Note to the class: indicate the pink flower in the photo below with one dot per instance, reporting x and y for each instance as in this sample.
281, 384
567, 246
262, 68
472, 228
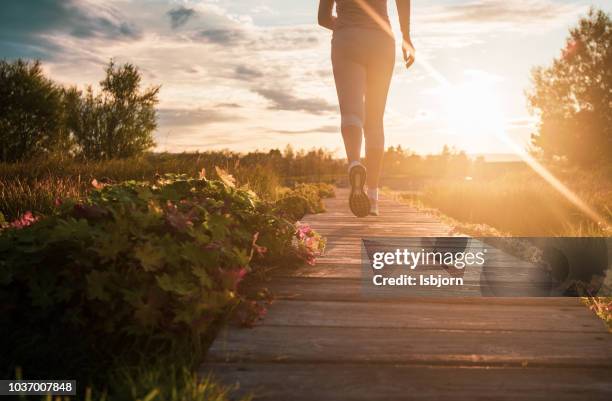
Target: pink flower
25, 220
303, 230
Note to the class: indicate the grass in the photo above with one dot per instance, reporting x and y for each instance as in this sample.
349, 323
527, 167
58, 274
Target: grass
167, 378
36, 185
521, 203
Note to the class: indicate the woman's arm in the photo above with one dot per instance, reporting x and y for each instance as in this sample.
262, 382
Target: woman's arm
326, 19
403, 10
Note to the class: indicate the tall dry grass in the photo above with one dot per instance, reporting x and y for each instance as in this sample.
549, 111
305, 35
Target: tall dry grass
37, 185
521, 203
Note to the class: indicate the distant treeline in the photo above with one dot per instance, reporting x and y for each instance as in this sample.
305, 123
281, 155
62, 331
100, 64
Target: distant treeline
289, 164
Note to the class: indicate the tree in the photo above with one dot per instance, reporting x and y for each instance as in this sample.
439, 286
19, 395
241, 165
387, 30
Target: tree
31, 112
118, 122
573, 96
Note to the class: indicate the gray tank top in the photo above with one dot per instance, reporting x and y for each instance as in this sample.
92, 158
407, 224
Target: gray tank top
352, 15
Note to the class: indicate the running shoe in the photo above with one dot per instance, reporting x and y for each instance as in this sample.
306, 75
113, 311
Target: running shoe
358, 199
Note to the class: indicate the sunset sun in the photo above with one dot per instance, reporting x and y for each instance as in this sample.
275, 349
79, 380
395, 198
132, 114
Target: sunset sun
473, 109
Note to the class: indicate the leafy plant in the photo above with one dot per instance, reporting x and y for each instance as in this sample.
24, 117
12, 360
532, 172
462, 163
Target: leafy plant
135, 266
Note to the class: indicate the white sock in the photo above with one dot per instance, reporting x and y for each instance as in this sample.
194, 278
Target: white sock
352, 164
373, 193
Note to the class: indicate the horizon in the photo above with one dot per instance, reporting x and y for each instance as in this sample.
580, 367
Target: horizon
487, 157
234, 73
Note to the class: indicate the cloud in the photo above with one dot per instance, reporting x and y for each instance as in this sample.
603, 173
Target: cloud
504, 11
170, 117
229, 105
327, 129
221, 36
180, 15
246, 73
25, 26
283, 100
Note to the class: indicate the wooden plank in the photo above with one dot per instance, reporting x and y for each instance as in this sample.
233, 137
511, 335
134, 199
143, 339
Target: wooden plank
429, 346
339, 289
431, 316
346, 382
325, 338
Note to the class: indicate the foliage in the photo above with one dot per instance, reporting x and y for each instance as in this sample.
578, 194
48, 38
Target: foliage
292, 207
36, 185
117, 123
602, 306
168, 378
294, 203
573, 96
135, 266
31, 113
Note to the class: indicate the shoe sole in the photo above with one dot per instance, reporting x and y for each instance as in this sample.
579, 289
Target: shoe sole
359, 202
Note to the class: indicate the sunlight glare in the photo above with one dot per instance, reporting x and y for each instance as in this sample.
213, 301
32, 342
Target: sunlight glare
461, 95
473, 109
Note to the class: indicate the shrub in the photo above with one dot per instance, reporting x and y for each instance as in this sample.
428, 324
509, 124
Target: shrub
325, 190
135, 266
292, 207
118, 122
30, 111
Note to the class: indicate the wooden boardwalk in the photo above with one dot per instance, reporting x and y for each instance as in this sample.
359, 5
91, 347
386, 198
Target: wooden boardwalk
322, 340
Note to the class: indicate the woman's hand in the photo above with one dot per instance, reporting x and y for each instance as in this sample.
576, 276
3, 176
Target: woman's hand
409, 51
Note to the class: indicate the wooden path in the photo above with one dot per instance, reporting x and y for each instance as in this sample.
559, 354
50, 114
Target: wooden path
322, 340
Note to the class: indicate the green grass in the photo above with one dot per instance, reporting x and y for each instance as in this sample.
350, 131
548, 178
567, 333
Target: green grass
165, 378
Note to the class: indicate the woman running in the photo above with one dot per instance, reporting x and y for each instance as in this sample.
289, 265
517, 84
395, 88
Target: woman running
363, 57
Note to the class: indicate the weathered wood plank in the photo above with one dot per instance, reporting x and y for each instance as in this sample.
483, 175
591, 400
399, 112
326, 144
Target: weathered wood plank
326, 339
431, 316
340, 289
345, 382
429, 346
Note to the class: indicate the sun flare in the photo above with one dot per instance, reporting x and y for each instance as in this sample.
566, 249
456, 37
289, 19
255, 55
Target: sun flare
473, 109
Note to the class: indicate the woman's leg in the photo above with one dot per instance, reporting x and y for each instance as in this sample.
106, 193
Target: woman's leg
350, 78
379, 73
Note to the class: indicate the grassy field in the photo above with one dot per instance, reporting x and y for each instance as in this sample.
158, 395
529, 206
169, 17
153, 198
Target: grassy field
37, 185
521, 203
518, 202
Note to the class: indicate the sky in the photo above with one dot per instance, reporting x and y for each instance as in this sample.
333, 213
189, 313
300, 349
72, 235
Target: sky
246, 75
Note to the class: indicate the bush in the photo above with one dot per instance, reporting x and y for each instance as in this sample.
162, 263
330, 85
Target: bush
325, 190
136, 267
118, 122
30, 111
292, 207
294, 204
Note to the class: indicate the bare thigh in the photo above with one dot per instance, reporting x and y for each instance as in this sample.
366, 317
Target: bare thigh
351, 80
378, 78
